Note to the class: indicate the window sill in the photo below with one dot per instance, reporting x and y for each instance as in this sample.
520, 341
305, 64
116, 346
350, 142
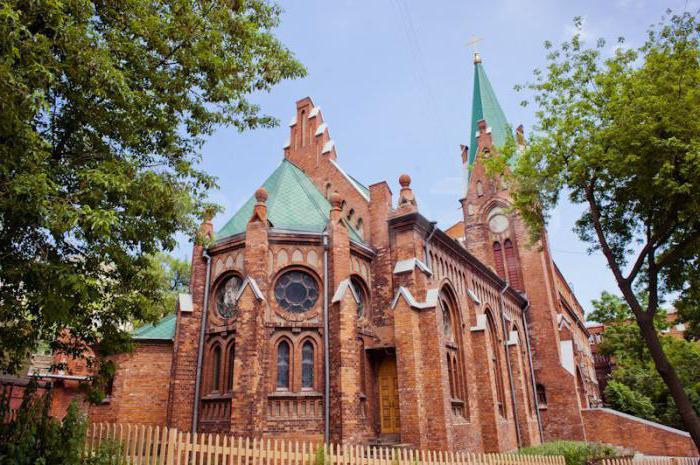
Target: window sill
217, 396
293, 395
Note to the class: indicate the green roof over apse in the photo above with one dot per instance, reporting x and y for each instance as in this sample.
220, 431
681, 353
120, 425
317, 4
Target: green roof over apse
293, 203
164, 330
485, 106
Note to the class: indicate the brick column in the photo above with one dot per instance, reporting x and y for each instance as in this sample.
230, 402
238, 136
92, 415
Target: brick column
420, 350
248, 416
186, 341
382, 285
343, 339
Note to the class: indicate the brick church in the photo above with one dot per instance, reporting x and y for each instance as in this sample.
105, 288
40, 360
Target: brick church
325, 308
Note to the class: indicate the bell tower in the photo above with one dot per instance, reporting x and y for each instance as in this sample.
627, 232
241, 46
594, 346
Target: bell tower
499, 237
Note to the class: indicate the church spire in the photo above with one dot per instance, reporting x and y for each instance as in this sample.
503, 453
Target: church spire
485, 106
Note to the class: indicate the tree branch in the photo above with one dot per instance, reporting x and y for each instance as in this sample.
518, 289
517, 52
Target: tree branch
623, 284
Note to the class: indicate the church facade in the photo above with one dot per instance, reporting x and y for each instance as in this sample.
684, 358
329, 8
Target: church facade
325, 308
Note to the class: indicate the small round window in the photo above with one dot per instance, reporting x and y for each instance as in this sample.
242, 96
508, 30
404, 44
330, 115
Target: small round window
296, 291
226, 304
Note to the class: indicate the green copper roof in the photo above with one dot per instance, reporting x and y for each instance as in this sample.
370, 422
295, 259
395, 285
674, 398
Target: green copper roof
359, 185
294, 203
485, 106
163, 330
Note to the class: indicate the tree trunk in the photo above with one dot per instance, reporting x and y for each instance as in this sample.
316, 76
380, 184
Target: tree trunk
670, 378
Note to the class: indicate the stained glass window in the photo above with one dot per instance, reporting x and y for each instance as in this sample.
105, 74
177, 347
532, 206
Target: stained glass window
307, 365
360, 289
296, 291
216, 369
283, 365
226, 304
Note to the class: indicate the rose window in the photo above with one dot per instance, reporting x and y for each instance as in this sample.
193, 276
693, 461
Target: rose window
296, 291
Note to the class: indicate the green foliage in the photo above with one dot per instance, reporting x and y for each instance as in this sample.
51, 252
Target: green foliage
622, 338
688, 307
623, 399
635, 386
34, 437
108, 453
635, 381
105, 106
175, 278
574, 452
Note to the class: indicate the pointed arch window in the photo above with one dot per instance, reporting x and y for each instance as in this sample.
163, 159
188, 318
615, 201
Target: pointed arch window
498, 259
303, 128
283, 365
231, 358
362, 294
496, 364
541, 395
479, 189
451, 324
446, 320
307, 365
216, 369
512, 265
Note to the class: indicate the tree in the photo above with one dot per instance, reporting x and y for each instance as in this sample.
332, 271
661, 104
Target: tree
635, 386
174, 279
621, 137
105, 105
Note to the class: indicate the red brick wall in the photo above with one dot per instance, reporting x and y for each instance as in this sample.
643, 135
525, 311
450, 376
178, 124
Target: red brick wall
140, 392
539, 282
609, 426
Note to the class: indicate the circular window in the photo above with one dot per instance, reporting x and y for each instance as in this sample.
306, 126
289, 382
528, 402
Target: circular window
296, 291
498, 221
226, 304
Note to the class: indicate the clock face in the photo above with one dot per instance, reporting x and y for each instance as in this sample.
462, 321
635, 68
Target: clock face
498, 223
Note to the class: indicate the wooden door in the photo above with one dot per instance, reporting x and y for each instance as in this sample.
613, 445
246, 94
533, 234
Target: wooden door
390, 422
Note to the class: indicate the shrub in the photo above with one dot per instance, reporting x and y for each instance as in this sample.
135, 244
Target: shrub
35, 438
108, 453
623, 399
574, 452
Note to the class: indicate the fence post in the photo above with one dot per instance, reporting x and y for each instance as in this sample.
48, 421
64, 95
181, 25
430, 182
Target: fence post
171, 445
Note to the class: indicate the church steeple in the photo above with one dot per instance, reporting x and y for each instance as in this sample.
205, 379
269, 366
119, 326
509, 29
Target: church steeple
485, 106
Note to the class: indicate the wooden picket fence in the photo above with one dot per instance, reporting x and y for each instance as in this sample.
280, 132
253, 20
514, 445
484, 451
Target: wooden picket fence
146, 445
653, 461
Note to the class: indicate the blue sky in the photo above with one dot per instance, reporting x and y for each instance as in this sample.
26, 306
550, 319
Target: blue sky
394, 81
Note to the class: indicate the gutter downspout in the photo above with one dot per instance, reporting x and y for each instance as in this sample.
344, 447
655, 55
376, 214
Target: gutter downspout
506, 337
426, 245
532, 373
326, 351
200, 350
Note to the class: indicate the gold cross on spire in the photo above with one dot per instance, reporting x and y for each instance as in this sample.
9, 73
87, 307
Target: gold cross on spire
475, 40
